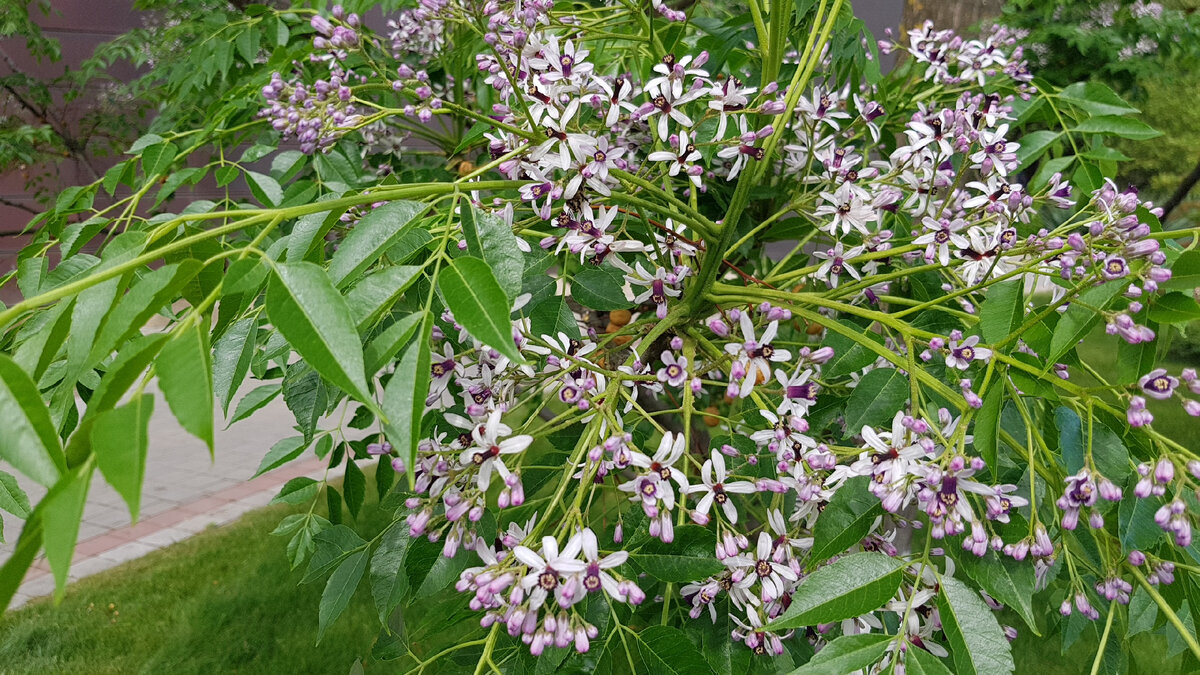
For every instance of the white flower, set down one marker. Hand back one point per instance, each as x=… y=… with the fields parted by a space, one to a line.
x=849 y=210
x=488 y=449
x=594 y=575
x=681 y=162
x=773 y=577
x=835 y=264
x=666 y=104
x=939 y=236
x=755 y=355
x=715 y=489
x=546 y=570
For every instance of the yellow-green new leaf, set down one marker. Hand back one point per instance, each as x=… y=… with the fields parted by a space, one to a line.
x=29 y=442
x=185 y=375
x=63 y=510
x=120 y=438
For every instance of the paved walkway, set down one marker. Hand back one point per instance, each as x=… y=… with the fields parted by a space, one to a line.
x=184 y=492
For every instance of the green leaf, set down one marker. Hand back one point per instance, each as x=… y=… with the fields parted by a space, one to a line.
x=157 y=158
x=404 y=397
x=231 y=359
x=1185 y=273
x=385 y=475
x=1135 y=360
x=1070 y=438
x=1125 y=127
x=666 y=649
x=63 y=512
x=921 y=662
x=371 y=237
x=375 y=293
x=1050 y=167
x=1034 y=145
x=332 y=545
x=154 y=291
x=1143 y=613
x=1135 y=523
x=254 y=401
x=389 y=582
x=185 y=375
x=851 y=586
x=601 y=288
x=303 y=304
x=309 y=229
x=264 y=188
x=355 y=486
x=123 y=371
x=879 y=394
x=977 y=642
x=29 y=442
x=297 y=491
x=385 y=345
x=479 y=304
x=552 y=316
x=473 y=134
x=987 y=424
x=410 y=245
x=12 y=498
x=847 y=654
x=1095 y=98
x=35 y=354
x=281 y=453
x=1003 y=311
x=120 y=438
x=678 y=568
x=339 y=589
x=226 y=175
x=846 y=520
x=848 y=355
x=1108 y=452
x=490 y=239
x=1174 y=308
x=1079 y=320
x=93 y=305
x=1007 y=580
x=307 y=396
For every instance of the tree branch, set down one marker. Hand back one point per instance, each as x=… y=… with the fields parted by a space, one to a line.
x=1185 y=186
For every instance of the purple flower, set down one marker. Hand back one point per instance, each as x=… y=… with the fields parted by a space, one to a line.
x=1158 y=384
x=962 y=355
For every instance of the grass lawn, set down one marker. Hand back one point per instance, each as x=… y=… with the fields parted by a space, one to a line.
x=221 y=602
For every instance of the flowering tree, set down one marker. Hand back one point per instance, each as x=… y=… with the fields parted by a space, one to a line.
x=522 y=257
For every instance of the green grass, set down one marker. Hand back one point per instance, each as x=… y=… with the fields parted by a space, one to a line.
x=221 y=602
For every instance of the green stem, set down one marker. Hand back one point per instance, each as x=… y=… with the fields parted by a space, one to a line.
x=1166 y=610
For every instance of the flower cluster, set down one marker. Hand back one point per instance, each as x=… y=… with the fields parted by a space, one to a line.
x=869 y=365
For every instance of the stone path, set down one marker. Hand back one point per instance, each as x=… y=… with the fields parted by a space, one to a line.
x=185 y=491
